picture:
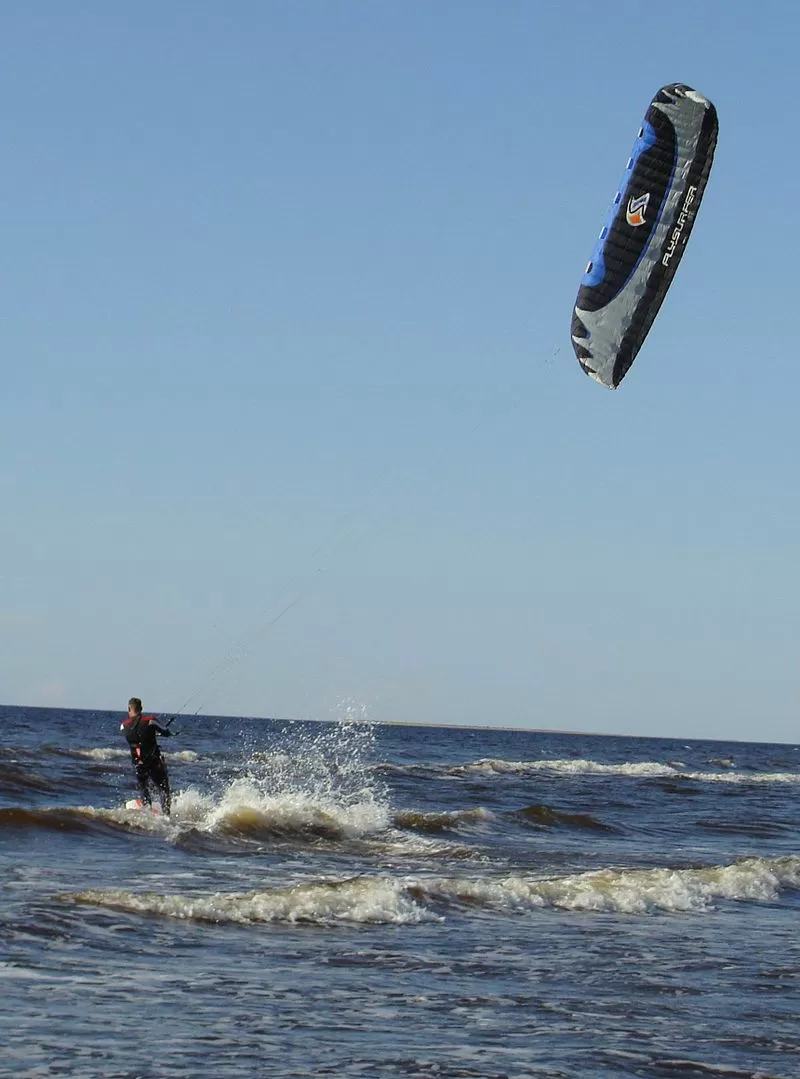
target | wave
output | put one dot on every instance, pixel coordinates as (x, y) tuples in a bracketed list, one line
[(244, 812), (414, 900), (240, 812), (356, 900), (106, 753), (443, 821), (627, 891), (489, 766), (544, 816), (742, 777), (231, 818), (57, 819), (323, 790), (243, 818), (17, 780)]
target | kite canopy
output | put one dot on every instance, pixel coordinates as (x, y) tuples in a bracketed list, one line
[(639, 248)]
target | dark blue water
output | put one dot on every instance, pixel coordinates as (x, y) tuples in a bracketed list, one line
[(356, 900)]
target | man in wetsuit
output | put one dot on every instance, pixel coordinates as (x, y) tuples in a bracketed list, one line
[(141, 732)]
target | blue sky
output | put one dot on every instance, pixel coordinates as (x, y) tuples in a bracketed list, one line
[(285, 317)]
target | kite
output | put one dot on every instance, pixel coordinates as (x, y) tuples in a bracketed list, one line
[(644, 238)]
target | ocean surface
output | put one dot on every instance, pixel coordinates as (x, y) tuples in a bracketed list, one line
[(356, 900)]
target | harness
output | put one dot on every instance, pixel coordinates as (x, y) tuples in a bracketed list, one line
[(136, 729)]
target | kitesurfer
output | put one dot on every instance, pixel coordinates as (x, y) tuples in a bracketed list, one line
[(141, 731)]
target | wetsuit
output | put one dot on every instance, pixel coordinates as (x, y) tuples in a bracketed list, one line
[(141, 732)]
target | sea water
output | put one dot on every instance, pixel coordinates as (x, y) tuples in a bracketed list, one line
[(349, 899)]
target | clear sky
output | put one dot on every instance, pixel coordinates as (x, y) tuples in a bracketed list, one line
[(285, 313)]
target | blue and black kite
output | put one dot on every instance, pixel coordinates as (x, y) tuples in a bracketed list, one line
[(643, 241)]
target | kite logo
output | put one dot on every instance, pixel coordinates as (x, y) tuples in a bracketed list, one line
[(680, 225), (634, 214)]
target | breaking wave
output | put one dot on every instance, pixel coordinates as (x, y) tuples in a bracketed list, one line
[(413, 900), (632, 769)]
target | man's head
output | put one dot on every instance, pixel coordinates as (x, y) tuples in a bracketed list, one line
[(134, 706)]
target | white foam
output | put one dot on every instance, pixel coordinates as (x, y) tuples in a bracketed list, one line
[(364, 901), (315, 782), (102, 753), (246, 808), (635, 769), (409, 900), (742, 777), (629, 891), (577, 766), (444, 819)]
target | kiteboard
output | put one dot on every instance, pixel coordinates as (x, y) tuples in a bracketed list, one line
[(137, 803)]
